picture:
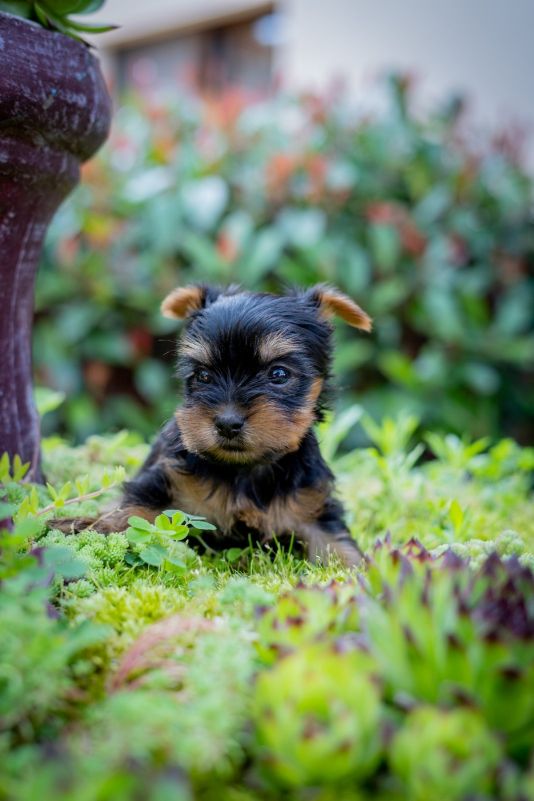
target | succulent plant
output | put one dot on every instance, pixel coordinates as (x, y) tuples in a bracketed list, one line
[(55, 14), (317, 715), (304, 615), (441, 633), (445, 755)]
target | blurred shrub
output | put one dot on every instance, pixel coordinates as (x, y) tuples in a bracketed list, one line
[(431, 235)]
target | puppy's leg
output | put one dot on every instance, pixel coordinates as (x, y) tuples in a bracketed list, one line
[(145, 496), (323, 544), (328, 535), (72, 525), (115, 519)]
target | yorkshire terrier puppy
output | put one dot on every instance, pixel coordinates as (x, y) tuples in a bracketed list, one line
[(241, 449)]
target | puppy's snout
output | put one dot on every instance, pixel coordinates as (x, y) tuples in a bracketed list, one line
[(229, 424)]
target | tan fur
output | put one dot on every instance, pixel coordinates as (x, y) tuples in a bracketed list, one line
[(196, 349), (322, 546), (287, 514), (196, 426), (117, 519), (275, 346), (197, 496), (267, 429), (272, 430), (333, 302), (182, 302), (296, 513)]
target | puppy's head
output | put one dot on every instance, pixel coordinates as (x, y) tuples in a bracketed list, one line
[(255, 367)]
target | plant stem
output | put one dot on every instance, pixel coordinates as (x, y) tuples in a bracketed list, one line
[(78, 499)]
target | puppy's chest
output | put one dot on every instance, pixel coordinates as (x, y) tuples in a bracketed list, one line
[(226, 508)]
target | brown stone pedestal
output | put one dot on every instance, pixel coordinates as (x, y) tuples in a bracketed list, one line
[(54, 114)]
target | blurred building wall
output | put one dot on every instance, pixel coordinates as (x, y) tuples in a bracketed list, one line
[(185, 44), (139, 20), (482, 47)]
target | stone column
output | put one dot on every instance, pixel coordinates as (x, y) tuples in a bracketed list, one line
[(55, 113)]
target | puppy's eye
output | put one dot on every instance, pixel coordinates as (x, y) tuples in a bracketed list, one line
[(203, 376), (279, 375)]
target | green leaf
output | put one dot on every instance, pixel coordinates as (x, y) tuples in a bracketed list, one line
[(19, 469), (82, 485), (334, 430), (175, 560), (64, 492), (6, 510), (398, 367), (29, 528), (137, 536), (202, 252), (262, 256), (132, 559), (163, 523), (63, 562), (79, 26), (140, 523), (385, 245), (153, 555), (90, 6), (179, 532), (47, 400), (233, 554), (42, 15), (62, 7), (456, 514), (21, 8), (203, 525), (5, 473), (29, 505), (52, 492), (176, 515)]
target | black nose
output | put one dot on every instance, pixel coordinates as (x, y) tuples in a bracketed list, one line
[(229, 424)]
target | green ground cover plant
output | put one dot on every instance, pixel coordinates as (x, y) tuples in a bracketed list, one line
[(430, 230), (144, 665)]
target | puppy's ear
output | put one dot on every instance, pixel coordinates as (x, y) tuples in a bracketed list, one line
[(331, 302), (185, 300)]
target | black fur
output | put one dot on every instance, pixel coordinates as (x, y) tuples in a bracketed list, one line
[(260, 483), (234, 329), (233, 323)]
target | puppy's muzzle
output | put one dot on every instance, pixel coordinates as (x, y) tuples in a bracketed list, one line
[(229, 425)]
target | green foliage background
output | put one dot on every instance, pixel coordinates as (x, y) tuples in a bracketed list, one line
[(431, 234)]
